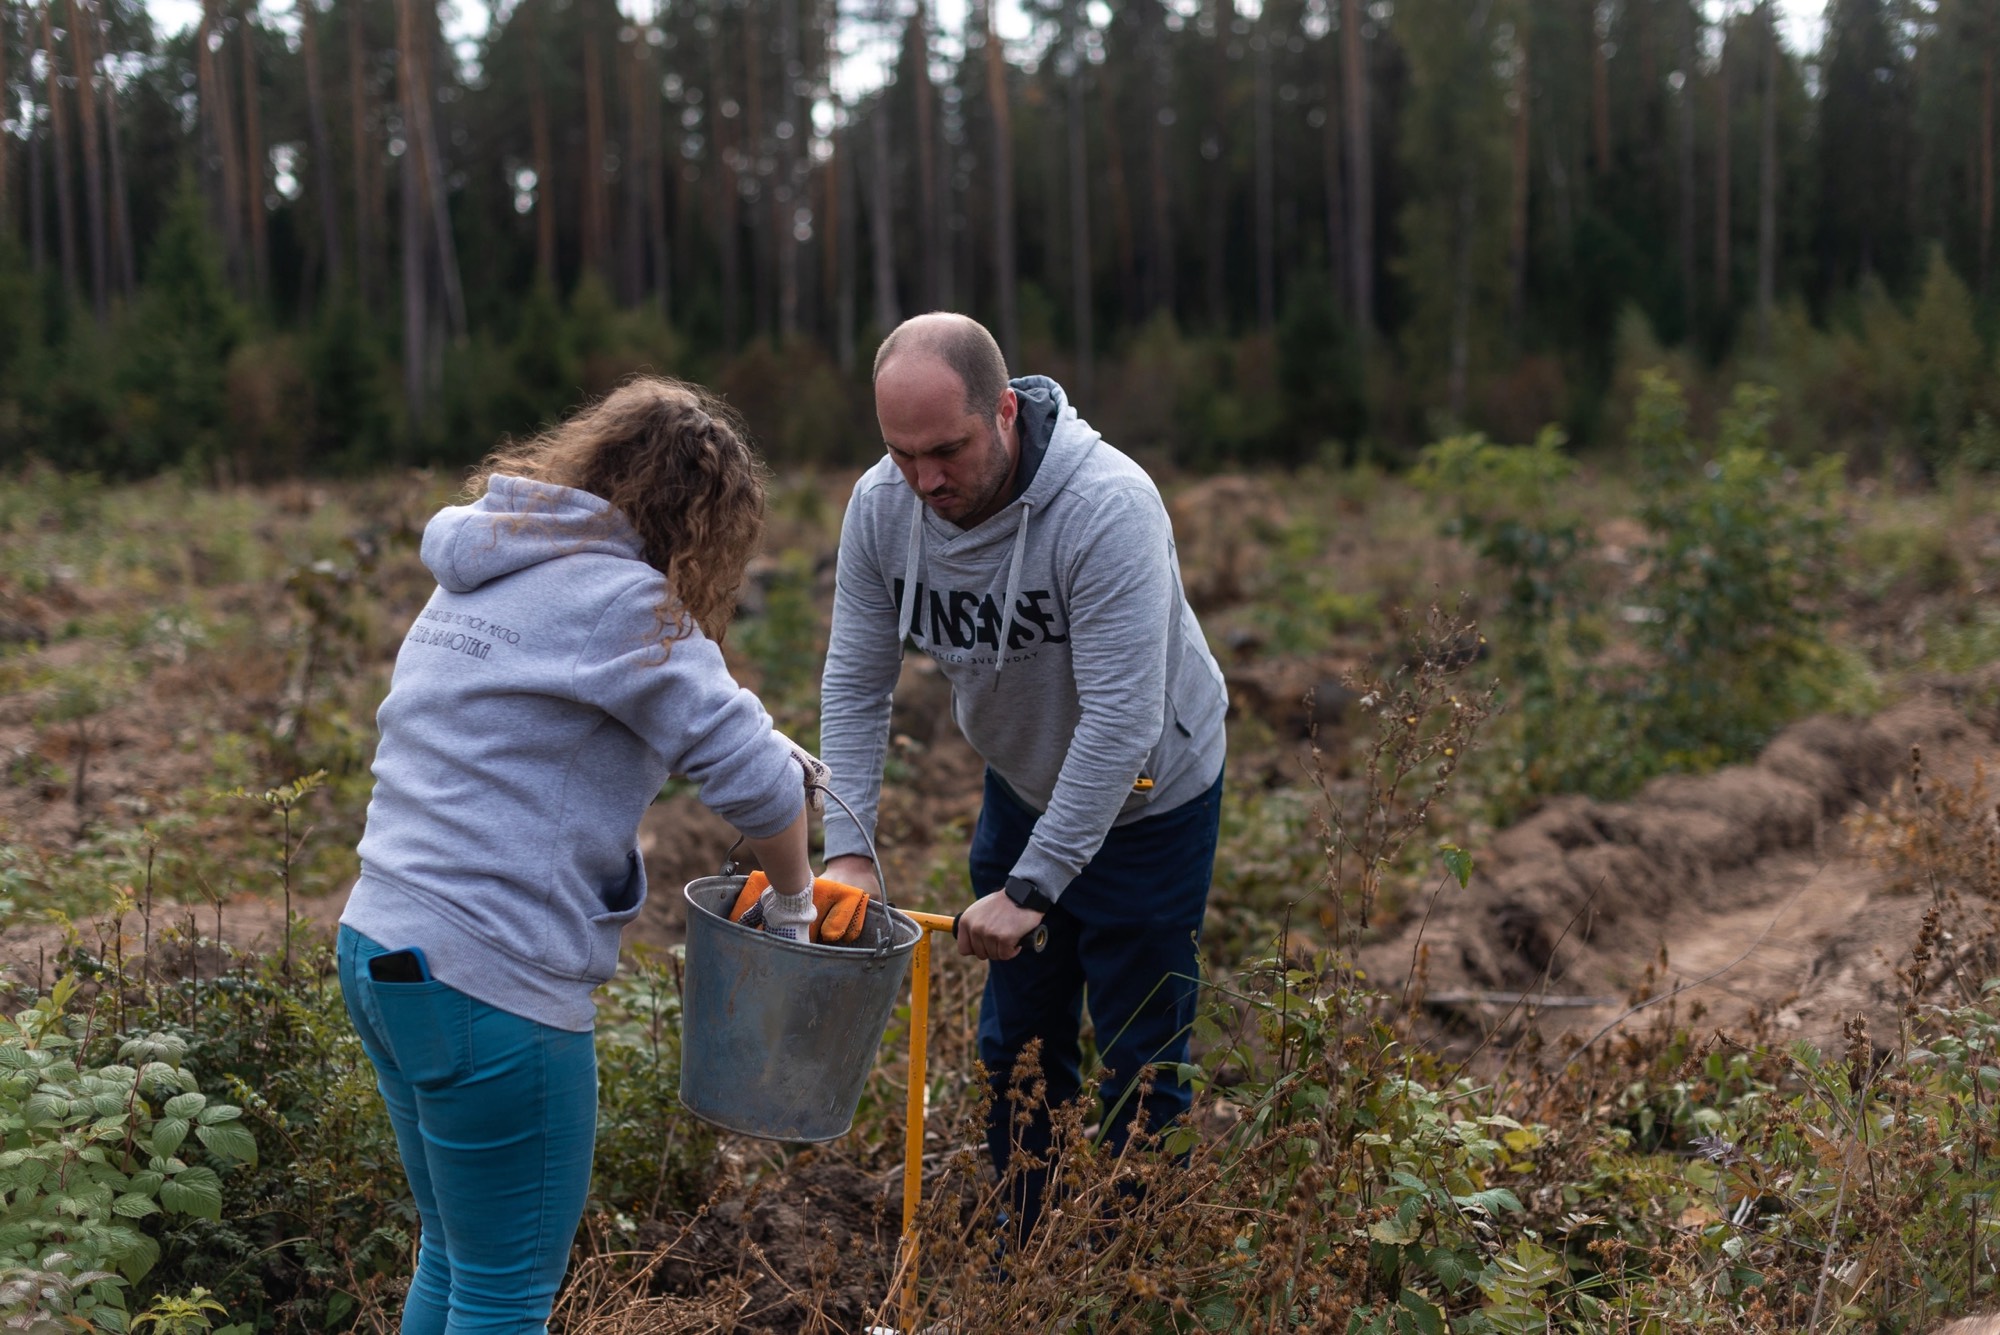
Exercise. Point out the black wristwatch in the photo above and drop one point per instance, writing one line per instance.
(1028, 895)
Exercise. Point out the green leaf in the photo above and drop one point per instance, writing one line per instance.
(196, 1191)
(338, 1305)
(168, 1135)
(1428, 1318)
(230, 1141)
(184, 1105)
(44, 1107)
(134, 1205)
(218, 1112)
(1451, 1269)
(1458, 862)
(141, 1254)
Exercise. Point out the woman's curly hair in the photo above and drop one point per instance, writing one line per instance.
(675, 461)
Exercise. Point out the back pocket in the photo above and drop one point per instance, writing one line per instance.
(428, 1030)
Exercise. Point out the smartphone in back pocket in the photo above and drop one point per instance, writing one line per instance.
(399, 966)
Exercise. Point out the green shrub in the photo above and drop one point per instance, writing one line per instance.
(652, 1155)
(1740, 573)
(94, 1147)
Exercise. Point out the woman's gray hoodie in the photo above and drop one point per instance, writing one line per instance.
(532, 717)
(1100, 677)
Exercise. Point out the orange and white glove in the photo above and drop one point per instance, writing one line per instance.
(835, 911)
(817, 775)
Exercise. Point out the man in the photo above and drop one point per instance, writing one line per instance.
(1035, 563)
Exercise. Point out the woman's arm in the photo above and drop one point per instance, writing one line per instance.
(783, 857)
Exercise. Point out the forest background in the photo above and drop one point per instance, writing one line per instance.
(330, 239)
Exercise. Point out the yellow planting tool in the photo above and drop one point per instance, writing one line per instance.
(913, 1131)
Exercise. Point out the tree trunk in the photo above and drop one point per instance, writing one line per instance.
(1690, 59)
(1600, 94)
(416, 280)
(633, 168)
(255, 163)
(544, 151)
(1767, 188)
(1517, 230)
(657, 242)
(1360, 173)
(841, 216)
(596, 211)
(1215, 151)
(59, 124)
(1003, 190)
(1266, 198)
(1723, 185)
(366, 206)
(1459, 376)
(759, 208)
(728, 199)
(121, 212)
(321, 144)
(38, 225)
(1986, 160)
(219, 135)
(1081, 296)
(424, 40)
(1160, 108)
(410, 211)
(80, 27)
(6, 140)
(881, 222)
(1121, 199)
(931, 217)
(790, 194)
(1329, 151)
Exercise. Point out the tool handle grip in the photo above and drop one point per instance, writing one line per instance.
(1036, 940)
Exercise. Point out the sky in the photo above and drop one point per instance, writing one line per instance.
(465, 20)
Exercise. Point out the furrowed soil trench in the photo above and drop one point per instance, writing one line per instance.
(1746, 889)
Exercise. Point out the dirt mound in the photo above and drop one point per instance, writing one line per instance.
(1225, 527)
(814, 1244)
(1743, 880)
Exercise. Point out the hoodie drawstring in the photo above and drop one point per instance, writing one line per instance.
(1013, 592)
(913, 564)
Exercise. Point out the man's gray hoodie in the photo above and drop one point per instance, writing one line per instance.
(1099, 677)
(533, 715)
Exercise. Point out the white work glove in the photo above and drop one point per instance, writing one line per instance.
(788, 916)
(817, 775)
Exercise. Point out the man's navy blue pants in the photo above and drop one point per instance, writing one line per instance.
(1126, 930)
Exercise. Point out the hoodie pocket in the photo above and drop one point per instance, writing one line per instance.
(620, 907)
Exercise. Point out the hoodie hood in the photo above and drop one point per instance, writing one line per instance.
(520, 523)
(1054, 443)
(1053, 437)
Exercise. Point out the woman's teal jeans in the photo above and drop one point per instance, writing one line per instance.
(495, 1116)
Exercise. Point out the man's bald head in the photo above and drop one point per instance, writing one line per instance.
(962, 344)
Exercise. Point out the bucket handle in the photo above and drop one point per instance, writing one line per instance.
(881, 879)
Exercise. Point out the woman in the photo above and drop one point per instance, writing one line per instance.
(566, 665)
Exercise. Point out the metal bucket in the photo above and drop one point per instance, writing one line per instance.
(778, 1037)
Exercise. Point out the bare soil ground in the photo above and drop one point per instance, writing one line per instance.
(1741, 894)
